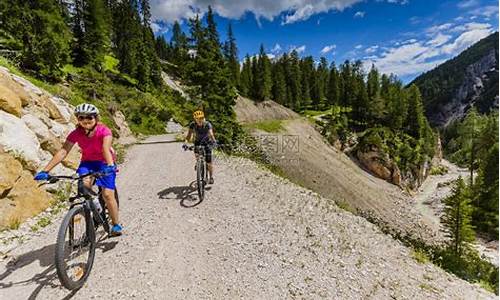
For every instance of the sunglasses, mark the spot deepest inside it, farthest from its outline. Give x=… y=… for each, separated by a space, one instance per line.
x=81 y=118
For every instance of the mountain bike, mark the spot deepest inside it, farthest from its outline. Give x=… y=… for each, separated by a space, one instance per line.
x=76 y=239
x=201 y=168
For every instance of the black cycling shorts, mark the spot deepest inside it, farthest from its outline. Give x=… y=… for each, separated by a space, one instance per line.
x=208 y=151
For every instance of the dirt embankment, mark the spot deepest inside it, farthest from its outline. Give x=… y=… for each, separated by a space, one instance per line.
x=308 y=159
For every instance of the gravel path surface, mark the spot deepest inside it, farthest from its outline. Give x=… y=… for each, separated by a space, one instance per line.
x=255 y=236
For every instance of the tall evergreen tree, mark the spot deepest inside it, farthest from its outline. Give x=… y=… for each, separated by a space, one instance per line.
x=294 y=81
x=43 y=33
x=416 y=121
x=320 y=88
x=212 y=77
x=333 y=91
x=246 y=77
x=279 y=85
x=95 y=39
x=231 y=54
x=263 y=76
x=457 y=218
x=377 y=106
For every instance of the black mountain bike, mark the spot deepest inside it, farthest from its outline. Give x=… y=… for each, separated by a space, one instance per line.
x=201 y=168
x=76 y=240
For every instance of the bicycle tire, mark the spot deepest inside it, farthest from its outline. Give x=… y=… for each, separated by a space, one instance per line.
x=67 y=226
x=199 y=179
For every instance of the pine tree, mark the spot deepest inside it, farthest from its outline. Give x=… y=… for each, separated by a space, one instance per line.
x=416 y=122
x=262 y=77
x=254 y=67
x=485 y=215
x=322 y=83
x=44 y=34
x=279 y=85
x=333 y=90
x=457 y=218
x=470 y=131
x=210 y=74
x=179 y=46
x=95 y=38
x=308 y=82
x=246 y=78
x=294 y=81
x=377 y=107
x=231 y=54
x=127 y=37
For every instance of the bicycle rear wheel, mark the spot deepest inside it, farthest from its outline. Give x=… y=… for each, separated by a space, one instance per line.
x=75 y=248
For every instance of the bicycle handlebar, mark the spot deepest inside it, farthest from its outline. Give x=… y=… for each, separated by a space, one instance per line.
x=56 y=178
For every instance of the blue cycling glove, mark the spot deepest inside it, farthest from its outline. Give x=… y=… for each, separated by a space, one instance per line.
x=42 y=175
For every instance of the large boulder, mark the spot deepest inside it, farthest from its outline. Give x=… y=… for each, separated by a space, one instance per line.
x=10 y=101
x=6 y=81
x=54 y=112
x=11 y=171
x=125 y=134
x=18 y=139
x=376 y=163
x=23 y=201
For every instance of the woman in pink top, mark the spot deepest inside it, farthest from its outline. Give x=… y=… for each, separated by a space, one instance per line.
x=94 y=139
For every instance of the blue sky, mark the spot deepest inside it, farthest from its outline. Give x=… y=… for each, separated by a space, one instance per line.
x=404 y=37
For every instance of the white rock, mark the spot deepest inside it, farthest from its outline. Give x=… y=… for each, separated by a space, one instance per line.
x=37 y=126
x=28 y=86
x=17 y=138
x=64 y=108
x=59 y=130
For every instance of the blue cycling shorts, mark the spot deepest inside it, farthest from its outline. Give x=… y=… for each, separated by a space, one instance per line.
x=108 y=181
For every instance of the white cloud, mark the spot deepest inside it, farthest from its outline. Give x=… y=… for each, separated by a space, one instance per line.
x=468 y=3
x=413 y=56
x=487 y=11
x=296 y=10
x=299 y=49
x=158 y=28
x=371 y=49
x=327 y=49
x=465 y=40
x=439 y=28
x=276 y=48
x=470 y=27
x=359 y=14
x=358 y=47
x=438 y=40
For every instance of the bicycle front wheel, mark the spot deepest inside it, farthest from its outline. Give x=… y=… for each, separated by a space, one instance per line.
x=75 y=248
x=200 y=179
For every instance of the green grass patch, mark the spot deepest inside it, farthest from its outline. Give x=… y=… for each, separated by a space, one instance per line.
x=110 y=64
x=314 y=113
x=14 y=224
x=420 y=256
x=271 y=126
x=345 y=206
x=439 y=170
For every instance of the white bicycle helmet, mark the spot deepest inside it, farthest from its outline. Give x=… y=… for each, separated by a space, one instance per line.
x=86 y=109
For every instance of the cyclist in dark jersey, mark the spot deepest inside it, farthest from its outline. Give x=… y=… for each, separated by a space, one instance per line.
x=203 y=136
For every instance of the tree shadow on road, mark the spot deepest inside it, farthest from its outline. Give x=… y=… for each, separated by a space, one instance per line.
x=187 y=195
x=45 y=278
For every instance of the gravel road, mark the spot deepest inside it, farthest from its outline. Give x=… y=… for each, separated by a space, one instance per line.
x=255 y=236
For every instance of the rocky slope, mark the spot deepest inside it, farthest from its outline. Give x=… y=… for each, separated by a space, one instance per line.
x=305 y=157
x=33 y=125
x=468 y=80
x=255 y=236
